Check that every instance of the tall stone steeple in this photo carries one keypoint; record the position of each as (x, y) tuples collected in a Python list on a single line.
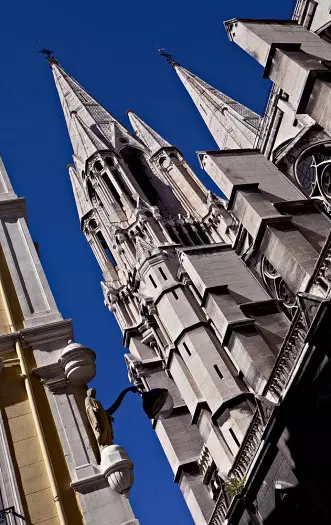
[(173, 258), (231, 124), (91, 127)]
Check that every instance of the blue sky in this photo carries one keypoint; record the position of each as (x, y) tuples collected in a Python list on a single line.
[(111, 48)]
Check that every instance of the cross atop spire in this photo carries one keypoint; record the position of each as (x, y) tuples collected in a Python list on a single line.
[(232, 124)]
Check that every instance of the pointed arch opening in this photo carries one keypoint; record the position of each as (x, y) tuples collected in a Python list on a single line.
[(137, 164)]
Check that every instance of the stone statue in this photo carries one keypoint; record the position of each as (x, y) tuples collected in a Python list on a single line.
[(100, 422)]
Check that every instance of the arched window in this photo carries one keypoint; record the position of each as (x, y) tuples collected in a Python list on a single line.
[(140, 170)]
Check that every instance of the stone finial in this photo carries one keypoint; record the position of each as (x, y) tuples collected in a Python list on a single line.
[(117, 468), (78, 363)]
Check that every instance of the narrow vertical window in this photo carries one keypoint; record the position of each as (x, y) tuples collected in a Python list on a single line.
[(187, 349), (175, 295), (219, 373), (163, 274), (152, 281), (234, 437)]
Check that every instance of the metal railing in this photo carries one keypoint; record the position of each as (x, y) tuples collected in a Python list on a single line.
[(10, 517), (290, 352)]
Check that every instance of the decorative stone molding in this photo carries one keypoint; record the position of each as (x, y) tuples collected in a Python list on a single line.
[(78, 363), (118, 468), (206, 464), (135, 370)]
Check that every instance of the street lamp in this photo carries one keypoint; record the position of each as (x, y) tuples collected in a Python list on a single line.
[(157, 403)]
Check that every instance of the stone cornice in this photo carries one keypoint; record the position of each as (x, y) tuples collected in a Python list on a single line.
[(47, 333), (14, 207)]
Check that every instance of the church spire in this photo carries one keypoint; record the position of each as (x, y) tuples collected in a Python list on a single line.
[(231, 124), (146, 134), (91, 127)]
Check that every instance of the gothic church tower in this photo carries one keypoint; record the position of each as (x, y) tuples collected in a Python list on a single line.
[(175, 285), (227, 304)]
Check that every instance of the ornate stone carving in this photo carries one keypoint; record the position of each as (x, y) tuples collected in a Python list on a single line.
[(109, 294), (312, 171), (118, 468), (135, 370), (277, 287), (206, 464)]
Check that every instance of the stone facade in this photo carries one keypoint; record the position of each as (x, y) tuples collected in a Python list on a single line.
[(225, 302), (50, 472)]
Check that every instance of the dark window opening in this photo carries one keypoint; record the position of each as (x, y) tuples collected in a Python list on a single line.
[(173, 236), (191, 233), (187, 349), (140, 170), (152, 281), (234, 437), (106, 248), (219, 373), (98, 166), (175, 295), (163, 274), (109, 161), (90, 191), (202, 234), (183, 237)]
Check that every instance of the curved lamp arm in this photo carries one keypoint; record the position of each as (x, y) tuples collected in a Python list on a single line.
[(120, 398)]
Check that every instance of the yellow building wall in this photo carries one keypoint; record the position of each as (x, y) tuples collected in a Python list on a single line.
[(24, 443)]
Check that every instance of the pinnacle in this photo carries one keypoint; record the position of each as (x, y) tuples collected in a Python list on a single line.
[(232, 124), (146, 134)]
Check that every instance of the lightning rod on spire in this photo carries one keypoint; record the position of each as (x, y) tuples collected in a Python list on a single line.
[(48, 54)]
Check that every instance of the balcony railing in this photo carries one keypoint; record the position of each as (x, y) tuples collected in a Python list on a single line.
[(291, 350)]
